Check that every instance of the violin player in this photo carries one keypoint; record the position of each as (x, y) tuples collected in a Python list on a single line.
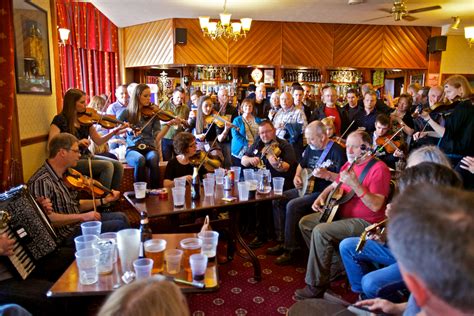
[(61, 203), (177, 107), (142, 146), (365, 206), (264, 151), (106, 170), (324, 158), (226, 109), (456, 136), (181, 165), (392, 151)]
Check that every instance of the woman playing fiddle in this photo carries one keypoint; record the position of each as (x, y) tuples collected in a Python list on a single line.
[(142, 145), (247, 132), (456, 136), (181, 165), (206, 127), (401, 116), (108, 171)]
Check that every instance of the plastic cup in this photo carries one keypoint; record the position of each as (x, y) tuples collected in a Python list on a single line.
[(209, 243), (249, 174), (190, 246), (198, 263), (178, 196), (179, 182), (113, 237), (173, 260), (278, 185), (220, 172), (91, 228), (128, 244), (140, 190), (155, 250), (236, 173), (243, 188), (88, 265), (143, 268), (106, 259), (84, 241), (252, 188), (211, 176), (208, 186)]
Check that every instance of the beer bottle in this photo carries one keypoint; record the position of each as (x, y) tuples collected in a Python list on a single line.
[(195, 185), (145, 232)]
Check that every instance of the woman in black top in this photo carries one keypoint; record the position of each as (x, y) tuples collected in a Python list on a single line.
[(107, 171), (180, 166)]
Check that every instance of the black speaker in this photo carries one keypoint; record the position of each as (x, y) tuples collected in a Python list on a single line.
[(181, 36), (437, 44)]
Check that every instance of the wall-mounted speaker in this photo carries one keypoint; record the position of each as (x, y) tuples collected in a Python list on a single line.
[(437, 44), (181, 36)]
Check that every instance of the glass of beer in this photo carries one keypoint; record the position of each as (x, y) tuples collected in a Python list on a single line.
[(155, 249), (190, 246)]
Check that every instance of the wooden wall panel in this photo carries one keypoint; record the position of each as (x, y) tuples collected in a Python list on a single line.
[(149, 44), (307, 44), (262, 46), (405, 47), (198, 49), (358, 46)]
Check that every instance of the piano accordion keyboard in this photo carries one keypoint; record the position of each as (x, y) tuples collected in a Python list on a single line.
[(20, 258)]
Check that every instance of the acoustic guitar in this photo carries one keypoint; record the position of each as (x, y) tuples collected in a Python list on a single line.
[(309, 179)]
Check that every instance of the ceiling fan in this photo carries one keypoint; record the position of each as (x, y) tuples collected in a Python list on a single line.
[(400, 11)]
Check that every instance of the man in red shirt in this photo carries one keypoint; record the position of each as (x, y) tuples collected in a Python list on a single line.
[(330, 108), (366, 206)]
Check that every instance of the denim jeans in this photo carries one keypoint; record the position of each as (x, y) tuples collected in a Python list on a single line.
[(141, 160), (383, 282), (107, 171), (287, 212), (167, 149)]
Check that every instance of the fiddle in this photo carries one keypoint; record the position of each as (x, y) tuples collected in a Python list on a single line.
[(90, 116), (269, 150), (78, 181), (218, 120), (203, 159), (363, 236), (390, 145), (162, 115), (338, 140)]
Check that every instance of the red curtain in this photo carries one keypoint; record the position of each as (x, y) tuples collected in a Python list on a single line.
[(7, 95), (89, 60)]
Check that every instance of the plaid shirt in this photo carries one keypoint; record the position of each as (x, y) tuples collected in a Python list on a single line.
[(290, 116)]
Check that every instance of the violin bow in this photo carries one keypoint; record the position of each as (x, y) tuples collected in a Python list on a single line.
[(347, 129), (214, 120), (207, 153), (104, 108), (91, 183)]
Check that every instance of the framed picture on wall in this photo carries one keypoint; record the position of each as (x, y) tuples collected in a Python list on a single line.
[(419, 78), (32, 64)]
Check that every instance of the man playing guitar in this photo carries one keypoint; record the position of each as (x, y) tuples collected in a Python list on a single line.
[(366, 205)]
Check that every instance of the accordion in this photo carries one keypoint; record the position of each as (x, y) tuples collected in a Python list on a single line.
[(23, 220)]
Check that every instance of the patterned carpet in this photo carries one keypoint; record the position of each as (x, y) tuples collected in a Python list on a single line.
[(240, 294)]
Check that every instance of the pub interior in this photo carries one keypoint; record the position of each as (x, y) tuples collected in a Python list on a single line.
[(223, 142)]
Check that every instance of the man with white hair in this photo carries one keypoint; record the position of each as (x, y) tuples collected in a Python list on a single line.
[(229, 112)]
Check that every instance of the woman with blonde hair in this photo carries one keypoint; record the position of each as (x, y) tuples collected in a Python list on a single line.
[(148, 297)]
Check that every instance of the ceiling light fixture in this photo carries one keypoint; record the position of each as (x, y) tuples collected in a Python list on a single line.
[(469, 34), (225, 28), (456, 22)]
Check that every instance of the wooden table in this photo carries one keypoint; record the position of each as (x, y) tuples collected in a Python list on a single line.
[(68, 284), (156, 207)]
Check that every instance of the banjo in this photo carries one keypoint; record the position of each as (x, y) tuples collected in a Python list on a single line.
[(309, 179)]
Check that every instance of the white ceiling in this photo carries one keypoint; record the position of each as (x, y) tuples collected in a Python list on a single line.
[(126, 12)]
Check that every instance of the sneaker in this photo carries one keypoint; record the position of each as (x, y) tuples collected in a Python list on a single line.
[(256, 243), (285, 259), (309, 291), (275, 251)]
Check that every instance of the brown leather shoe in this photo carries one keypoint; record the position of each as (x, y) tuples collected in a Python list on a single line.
[(276, 251), (309, 291), (285, 259)]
